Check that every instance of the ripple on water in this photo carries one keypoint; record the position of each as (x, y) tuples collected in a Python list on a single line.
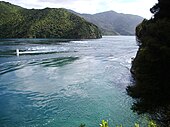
[(67, 89)]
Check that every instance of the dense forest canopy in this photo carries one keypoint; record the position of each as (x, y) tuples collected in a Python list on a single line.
[(18, 22), (151, 66)]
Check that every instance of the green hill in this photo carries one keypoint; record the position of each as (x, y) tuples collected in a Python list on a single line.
[(18, 22)]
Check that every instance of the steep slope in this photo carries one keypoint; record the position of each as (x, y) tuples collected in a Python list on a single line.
[(17, 22), (151, 66), (113, 23)]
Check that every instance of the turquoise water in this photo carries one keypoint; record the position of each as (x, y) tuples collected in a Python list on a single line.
[(63, 83)]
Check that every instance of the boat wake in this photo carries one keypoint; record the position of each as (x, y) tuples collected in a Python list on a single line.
[(41, 50)]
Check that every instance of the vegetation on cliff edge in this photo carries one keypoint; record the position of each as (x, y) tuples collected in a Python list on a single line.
[(151, 66)]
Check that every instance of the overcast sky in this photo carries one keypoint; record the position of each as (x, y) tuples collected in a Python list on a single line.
[(136, 7)]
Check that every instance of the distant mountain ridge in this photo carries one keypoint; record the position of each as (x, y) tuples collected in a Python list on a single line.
[(18, 22), (113, 23)]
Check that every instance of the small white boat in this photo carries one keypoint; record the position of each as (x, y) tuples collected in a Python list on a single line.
[(17, 52)]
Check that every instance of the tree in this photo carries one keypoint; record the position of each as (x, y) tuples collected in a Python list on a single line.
[(151, 66), (161, 9)]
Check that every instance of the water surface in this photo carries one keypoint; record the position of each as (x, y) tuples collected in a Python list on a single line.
[(63, 83)]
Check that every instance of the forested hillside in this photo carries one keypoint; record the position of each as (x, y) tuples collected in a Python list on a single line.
[(151, 66), (18, 22)]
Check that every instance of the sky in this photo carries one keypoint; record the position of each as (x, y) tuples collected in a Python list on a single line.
[(136, 7)]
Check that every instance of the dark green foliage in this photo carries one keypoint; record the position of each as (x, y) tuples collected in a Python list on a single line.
[(151, 67), (82, 125), (17, 22), (161, 10)]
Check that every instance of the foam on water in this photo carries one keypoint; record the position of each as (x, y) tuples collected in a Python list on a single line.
[(80, 42), (69, 88)]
